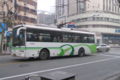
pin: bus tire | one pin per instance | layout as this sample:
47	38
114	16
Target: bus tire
44	54
81	52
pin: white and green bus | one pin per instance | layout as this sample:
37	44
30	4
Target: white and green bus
45	42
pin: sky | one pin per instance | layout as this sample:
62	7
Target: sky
46	5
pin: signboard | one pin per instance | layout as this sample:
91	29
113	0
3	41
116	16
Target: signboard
3	27
0	29
71	25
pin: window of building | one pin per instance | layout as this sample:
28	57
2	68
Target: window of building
81	6
107	6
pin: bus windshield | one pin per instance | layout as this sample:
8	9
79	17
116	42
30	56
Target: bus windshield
18	39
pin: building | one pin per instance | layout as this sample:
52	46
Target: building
1	15
18	12
99	16
14	12
46	18
22	11
26	11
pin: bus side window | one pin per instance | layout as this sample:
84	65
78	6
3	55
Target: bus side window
85	39
28	37
36	37
70	38
60	38
32	37
91	39
53	37
82	38
40	38
77	39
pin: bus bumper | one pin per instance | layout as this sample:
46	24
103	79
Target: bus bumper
18	53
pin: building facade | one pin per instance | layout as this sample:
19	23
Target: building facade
46	18
26	11
19	11
1	15
99	16
14	12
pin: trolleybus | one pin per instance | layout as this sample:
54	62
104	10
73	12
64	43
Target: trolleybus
45	42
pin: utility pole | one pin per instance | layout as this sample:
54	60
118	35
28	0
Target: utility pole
2	33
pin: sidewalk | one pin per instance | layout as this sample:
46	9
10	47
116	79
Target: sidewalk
5	53
115	46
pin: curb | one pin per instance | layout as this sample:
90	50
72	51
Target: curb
115	47
3	54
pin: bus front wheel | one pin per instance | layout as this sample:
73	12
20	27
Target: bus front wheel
81	52
44	54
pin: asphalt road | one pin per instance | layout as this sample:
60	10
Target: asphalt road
101	66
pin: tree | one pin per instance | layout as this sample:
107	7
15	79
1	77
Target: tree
8	17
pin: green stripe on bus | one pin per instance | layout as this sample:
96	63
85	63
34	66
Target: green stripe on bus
63	51
92	47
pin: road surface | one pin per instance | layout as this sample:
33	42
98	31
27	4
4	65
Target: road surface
101	66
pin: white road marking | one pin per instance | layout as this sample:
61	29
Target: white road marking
59	68
110	55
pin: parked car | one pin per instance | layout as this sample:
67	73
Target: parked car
103	48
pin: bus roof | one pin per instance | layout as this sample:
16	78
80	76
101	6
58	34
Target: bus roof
54	29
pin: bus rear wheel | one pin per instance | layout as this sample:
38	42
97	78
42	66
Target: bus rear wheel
44	54
81	52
